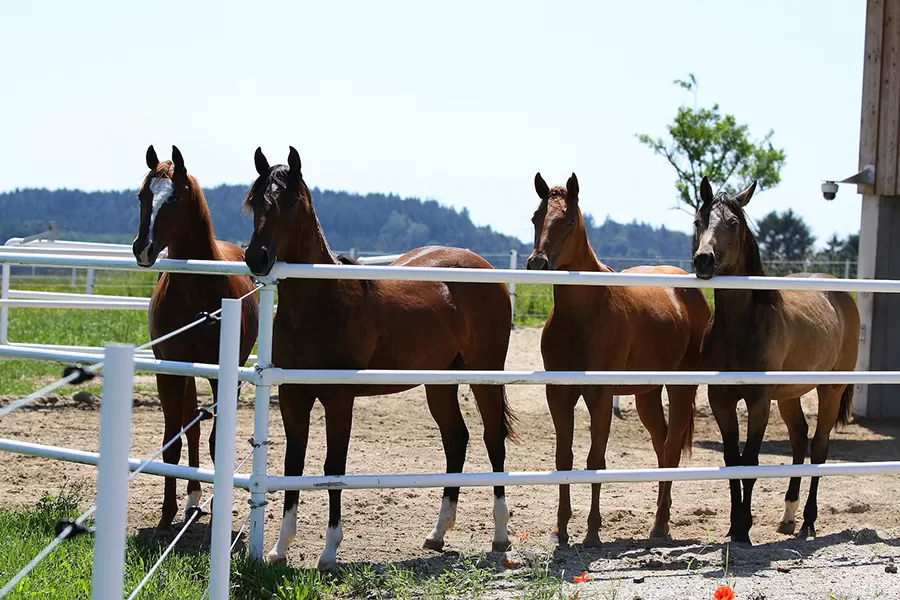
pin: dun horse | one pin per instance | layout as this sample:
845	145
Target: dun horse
612	328
174	216
351	324
769	330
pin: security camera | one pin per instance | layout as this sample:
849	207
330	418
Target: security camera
829	190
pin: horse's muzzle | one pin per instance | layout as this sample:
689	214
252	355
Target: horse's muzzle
259	259
705	265
537	262
146	256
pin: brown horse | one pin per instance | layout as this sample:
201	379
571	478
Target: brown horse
174	215
352	324
769	330
612	329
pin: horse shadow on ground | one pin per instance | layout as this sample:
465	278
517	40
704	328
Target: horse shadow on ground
612	562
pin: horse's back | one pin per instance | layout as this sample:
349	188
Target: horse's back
825	327
442	256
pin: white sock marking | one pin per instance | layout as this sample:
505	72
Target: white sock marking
446	520
501	520
193	499
790	511
333	538
285	536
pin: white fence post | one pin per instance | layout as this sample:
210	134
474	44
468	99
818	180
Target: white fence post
513	264
89	285
112	478
4	311
226	421
261	424
847	269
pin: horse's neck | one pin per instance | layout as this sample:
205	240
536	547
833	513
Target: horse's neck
309	250
736	306
198	241
579	256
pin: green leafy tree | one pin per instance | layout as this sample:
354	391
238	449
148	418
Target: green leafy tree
703	141
784	236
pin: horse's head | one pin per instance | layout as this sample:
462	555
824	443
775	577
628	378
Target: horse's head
720	231
555	219
281	206
164	196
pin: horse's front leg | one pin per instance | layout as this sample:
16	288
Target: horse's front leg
724	408
295	404
562	399
599	403
338	421
758	408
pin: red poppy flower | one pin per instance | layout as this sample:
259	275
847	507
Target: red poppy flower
523	536
585	577
724	593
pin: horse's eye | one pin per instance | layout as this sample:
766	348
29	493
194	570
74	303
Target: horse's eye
572	223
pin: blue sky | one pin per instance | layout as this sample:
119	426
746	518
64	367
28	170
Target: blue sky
460	102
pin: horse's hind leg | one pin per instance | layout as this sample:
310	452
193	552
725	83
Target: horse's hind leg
295	404
599	403
338	422
491	401
650	411
188	408
798	431
829	408
171	396
443	403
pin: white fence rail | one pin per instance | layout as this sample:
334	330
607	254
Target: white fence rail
259	482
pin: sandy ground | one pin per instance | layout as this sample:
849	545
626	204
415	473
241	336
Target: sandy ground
858	524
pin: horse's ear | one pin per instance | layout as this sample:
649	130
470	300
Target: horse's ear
706	193
294	161
178	161
152	160
744	197
572	188
259	159
541	187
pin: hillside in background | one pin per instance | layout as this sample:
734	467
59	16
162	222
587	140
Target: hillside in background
374	222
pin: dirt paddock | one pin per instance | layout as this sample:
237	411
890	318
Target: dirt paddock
857	526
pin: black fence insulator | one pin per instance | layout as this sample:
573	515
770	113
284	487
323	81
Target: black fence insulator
208	318
253	443
198	510
204	413
77	529
83	374
254	505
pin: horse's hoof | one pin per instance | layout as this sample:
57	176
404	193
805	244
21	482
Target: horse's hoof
164	525
787	527
660	533
504	546
273	558
592	540
431	544
559	540
807	532
741	539
326	565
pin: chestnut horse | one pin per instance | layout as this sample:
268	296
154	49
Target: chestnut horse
352	324
174	215
598	328
769	330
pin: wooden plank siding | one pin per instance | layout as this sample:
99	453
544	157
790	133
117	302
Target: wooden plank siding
879	141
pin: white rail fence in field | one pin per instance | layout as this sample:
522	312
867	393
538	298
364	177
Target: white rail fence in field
264	375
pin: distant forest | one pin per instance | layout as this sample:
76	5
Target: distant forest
370	223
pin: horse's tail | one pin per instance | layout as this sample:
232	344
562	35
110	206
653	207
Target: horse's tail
688	444
845	413
509	418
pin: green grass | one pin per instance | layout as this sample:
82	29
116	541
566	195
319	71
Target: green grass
66	573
